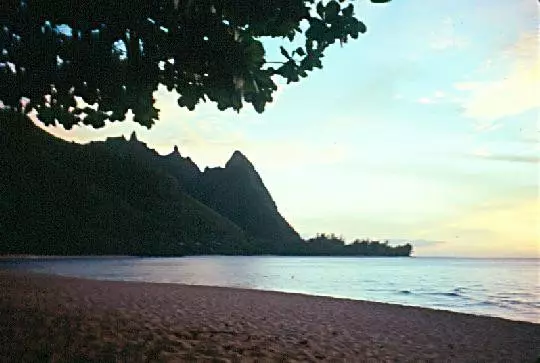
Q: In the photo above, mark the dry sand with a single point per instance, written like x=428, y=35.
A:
x=50, y=318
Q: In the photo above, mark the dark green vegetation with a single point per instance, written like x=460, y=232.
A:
x=119, y=197
x=115, y=53
x=335, y=246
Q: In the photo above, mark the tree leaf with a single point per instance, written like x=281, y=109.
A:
x=284, y=52
x=115, y=54
x=332, y=10
x=348, y=11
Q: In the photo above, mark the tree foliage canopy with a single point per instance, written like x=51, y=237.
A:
x=114, y=54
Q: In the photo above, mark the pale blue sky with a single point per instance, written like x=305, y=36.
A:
x=426, y=128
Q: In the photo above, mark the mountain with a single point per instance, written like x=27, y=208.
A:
x=236, y=191
x=119, y=197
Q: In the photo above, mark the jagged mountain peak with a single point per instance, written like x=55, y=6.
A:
x=238, y=193
x=133, y=137
x=175, y=152
x=238, y=159
x=139, y=145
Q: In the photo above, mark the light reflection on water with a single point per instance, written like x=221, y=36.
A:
x=506, y=288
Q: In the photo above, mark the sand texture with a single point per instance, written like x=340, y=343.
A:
x=47, y=318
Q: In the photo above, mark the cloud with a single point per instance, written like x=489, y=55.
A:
x=424, y=100
x=486, y=126
x=513, y=158
x=481, y=152
x=503, y=227
x=447, y=42
x=422, y=243
x=438, y=97
x=291, y=154
x=530, y=140
x=447, y=37
x=513, y=94
x=466, y=86
x=513, y=226
x=439, y=94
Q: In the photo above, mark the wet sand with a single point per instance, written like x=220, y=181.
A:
x=51, y=318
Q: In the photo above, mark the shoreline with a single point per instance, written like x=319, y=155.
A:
x=13, y=260
x=73, y=318
x=244, y=289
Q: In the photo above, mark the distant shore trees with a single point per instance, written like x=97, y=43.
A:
x=323, y=244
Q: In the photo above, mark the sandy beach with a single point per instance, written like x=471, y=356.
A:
x=51, y=318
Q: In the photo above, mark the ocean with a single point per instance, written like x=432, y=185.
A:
x=507, y=288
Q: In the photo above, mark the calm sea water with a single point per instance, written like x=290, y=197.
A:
x=507, y=288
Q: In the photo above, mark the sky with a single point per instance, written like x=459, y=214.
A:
x=425, y=129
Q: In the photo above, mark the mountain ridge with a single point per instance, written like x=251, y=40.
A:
x=236, y=191
x=111, y=197
x=119, y=197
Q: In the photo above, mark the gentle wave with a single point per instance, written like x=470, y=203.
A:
x=500, y=301
x=454, y=293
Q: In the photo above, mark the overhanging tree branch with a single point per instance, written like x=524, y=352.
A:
x=116, y=53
